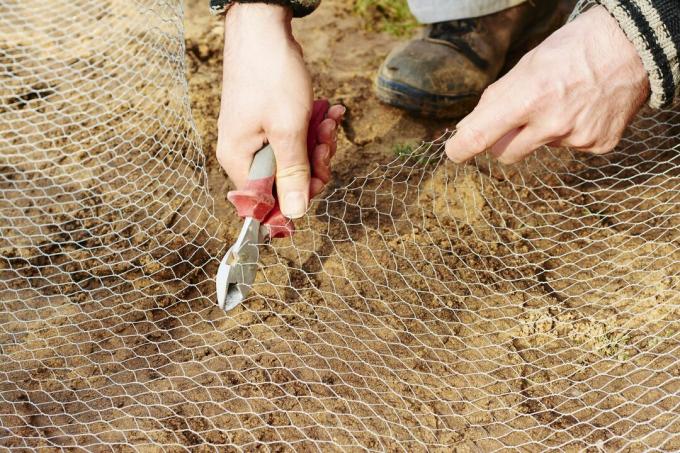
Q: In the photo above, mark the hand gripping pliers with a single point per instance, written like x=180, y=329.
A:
x=257, y=205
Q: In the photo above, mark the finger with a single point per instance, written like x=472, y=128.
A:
x=502, y=145
x=234, y=153
x=316, y=186
x=336, y=112
x=494, y=116
x=518, y=144
x=320, y=159
x=327, y=133
x=587, y=143
x=292, y=171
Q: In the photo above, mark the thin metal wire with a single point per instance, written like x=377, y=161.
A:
x=421, y=306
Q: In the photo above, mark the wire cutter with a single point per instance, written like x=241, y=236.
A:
x=257, y=205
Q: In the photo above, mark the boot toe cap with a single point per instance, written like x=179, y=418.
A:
x=431, y=78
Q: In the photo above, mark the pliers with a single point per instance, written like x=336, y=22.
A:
x=257, y=205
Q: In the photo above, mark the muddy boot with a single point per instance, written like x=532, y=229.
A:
x=443, y=73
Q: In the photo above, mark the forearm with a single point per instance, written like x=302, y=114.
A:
x=653, y=26
x=299, y=7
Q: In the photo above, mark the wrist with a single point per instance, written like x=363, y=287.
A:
x=631, y=66
x=258, y=17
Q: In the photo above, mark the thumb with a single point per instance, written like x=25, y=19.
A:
x=292, y=171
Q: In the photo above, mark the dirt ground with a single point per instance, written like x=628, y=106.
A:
x=421, y=306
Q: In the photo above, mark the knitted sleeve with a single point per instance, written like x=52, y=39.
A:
x=653, y=26
x=300, y=7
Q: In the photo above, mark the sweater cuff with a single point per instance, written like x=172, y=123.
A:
x=300, y=7
x=653, y=26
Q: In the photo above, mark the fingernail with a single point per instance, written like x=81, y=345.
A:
x=344, y=110
x=295, y=205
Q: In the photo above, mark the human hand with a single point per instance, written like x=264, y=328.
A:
x=580, y=88
x=267, y=97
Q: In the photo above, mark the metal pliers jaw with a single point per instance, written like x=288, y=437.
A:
x=238, y=268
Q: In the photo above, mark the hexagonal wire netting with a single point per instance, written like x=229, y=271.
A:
x=424, y=305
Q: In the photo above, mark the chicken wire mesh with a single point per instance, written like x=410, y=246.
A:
x=422, y=306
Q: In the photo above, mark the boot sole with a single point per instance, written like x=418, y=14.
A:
x=424, y=103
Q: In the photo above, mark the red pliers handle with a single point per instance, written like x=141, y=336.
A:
x=257, y=199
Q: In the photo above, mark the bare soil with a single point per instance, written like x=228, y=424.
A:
x=421, y=306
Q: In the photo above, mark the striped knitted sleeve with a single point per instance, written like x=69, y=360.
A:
x=653, y=26
x=300, y=7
